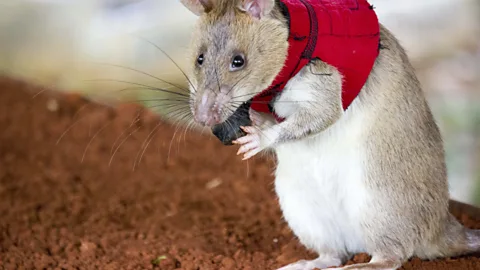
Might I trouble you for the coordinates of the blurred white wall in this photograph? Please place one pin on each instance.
(59, 43)
(55, 41)
(429, 29)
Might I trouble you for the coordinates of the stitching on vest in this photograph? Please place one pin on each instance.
(312, 42)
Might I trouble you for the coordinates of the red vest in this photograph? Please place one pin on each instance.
(343, 33)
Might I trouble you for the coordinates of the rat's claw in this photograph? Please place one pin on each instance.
(247, 147)
(249, 150)
(255, 141)
(251, 143)
(251, 153)
(246, 139)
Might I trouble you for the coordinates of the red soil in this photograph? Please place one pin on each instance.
(63, 206)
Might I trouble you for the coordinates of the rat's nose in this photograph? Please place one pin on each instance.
(205, 113)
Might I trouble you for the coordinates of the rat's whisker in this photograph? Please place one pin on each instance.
(93, 138)
(39, 93)
(172, 111)
(168, 105)
(139, 84)
(160, 100)
(188, 128)
(145, 144)
(74, 123)
(175, 116)
(236, 117)
(277, 101)
(134, 121)
(175, 63)
(121, 143)
(181, 117)
(174, 107)
(171, 142)
(233, 117)
(231, 88)
(246, 95)
(44, 89)
(147, 74)
(230, 125)
(235, 111)
(164, 103)
(184, 121)
(176, 112)
(254, 94)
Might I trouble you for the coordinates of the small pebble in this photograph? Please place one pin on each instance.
(229, 263)
(87, 246)
(214, 183)
(52, 105)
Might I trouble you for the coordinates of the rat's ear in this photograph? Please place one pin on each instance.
(257, 8)
(198, 7)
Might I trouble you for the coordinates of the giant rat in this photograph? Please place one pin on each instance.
(367, 178)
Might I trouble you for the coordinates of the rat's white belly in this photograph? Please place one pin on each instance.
(321, 190)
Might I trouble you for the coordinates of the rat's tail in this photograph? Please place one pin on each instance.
(460, 240)
(457, 240)
(473, 240)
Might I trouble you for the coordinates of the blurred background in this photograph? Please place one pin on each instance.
(68, 44)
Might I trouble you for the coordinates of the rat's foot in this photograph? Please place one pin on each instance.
(259, 136)
(377, 263)
(252, 143)
(319, 263)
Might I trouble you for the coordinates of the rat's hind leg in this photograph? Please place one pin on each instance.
(377, 262)
(323, 261)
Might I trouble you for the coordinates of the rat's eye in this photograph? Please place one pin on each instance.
(238, 62)
(200, 59)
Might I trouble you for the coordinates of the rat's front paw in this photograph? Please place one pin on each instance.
(261, 120)
(252, 143)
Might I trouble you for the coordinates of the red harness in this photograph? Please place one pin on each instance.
(342, 33)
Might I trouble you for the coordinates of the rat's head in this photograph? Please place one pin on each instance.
(237, 49)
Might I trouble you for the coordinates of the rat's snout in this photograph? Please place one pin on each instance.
(207, 109)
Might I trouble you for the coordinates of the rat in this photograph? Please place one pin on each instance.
(369, 177)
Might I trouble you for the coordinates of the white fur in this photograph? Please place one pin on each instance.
(320, 180)
(296, 92)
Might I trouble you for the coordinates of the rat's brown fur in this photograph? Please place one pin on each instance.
(404, 162)
(410, 175)
(231, 31)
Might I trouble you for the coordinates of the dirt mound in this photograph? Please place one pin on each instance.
(72, 202)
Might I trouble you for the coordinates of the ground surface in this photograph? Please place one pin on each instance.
(62, 206)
